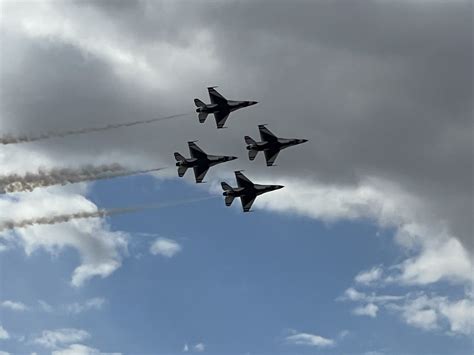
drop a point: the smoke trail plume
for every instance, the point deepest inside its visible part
(31, 181)
(6, 225)
(9, 139)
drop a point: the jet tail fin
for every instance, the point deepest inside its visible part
(226, 186)
(179, 157)
(249, 140)
(252, 154)
(199, 103)
(182, 170)
(229, 200)
(202, 116)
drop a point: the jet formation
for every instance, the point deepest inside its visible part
(270, 145)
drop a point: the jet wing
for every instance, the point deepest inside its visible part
(271, 155)
(195, 151)
(215, 97)
(200, 173)
(266, 135)
(242, 180)
(247, 202)
(221, 117)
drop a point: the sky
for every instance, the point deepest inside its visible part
(367, 250)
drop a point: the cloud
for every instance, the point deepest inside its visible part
(79, 307)
(200, 347)
(368, 310)
(310, 340)
(100, 249)
(418, 309)
(14, 306)
(368, 277)
(3, 333)
(55, 338)
(79, 349)
(165, 247)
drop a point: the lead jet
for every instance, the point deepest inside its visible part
(246, 190)
(270, 145)
(220, 107)
(200, 161)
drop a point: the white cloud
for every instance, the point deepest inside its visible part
(55, 338)
(4, 353)
(14, 306)
(200, 347)
(165, 247)
(185, 348)
(3, 333)
(418, 310)
(99, 248)
(78, 307)
(441, 258)
(79, 349)
(368, 277)
(367, 310)
(460, 315)
(310, 340)
(434, 254)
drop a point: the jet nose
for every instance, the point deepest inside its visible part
(303, 140)
(278, 187)
(253, 103)
(231, 158)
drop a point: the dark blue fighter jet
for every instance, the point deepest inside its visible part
(246, 190)
(200, 161)
(270, 145)
(220, 107)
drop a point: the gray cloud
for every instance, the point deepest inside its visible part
(381, 89)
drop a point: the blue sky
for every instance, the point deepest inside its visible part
(367, 250)
(241, 283)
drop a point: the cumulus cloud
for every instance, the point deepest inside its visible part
(165, 247)
(14, 306)
(100, 249)
(310, 340)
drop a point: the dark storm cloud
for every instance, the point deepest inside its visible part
(380, 88)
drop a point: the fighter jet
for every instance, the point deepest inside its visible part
(246, 190)
(200, 161)
(270, 145)
(219, 106)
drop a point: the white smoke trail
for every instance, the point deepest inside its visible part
(31, 181)
(9, 139)
(12, 224)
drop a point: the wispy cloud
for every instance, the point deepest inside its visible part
(14, 306)
(54, 338)
(165, 247)
(310, 340)
(3, 333)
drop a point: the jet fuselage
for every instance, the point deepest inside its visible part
(254, 190)
(230, 106)
(279, 144)
(209, 161)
